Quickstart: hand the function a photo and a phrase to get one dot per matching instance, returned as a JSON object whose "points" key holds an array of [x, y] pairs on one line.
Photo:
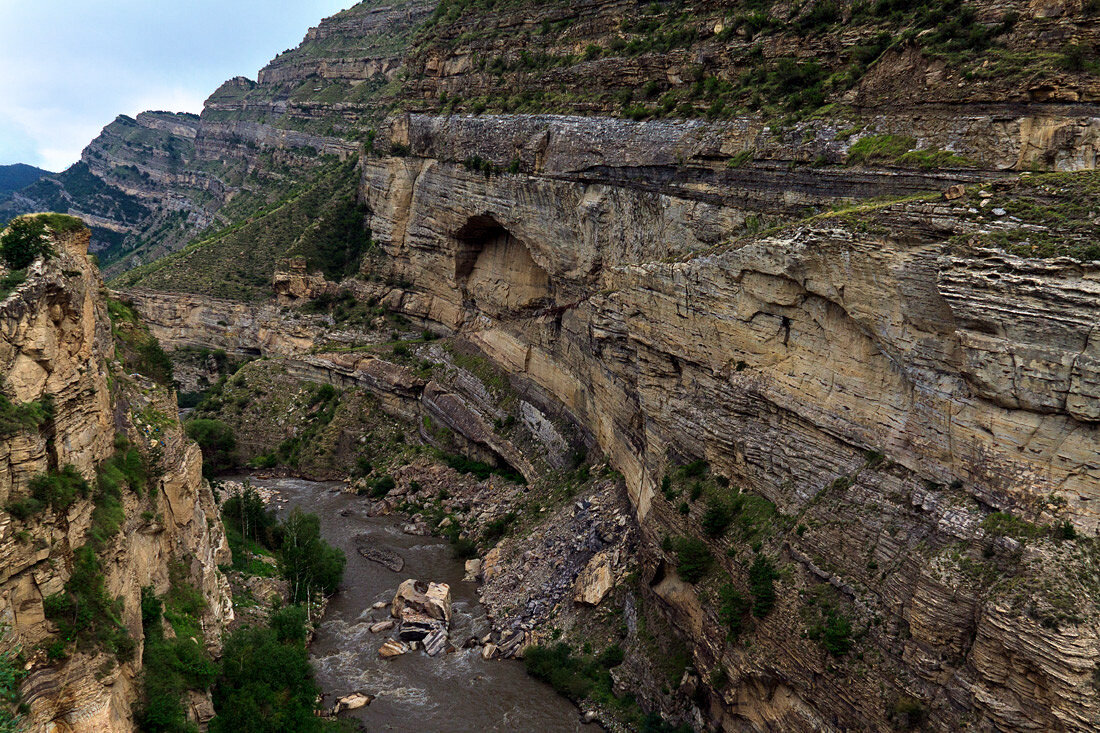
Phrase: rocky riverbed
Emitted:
{"points": [[456, 689]]}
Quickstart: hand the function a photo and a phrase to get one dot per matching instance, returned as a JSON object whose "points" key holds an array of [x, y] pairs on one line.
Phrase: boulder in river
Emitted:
{"points": [[381, 626], [435, 642], [430, 599], [473, 569], [418, 527], [392, 649], [354, 701]]}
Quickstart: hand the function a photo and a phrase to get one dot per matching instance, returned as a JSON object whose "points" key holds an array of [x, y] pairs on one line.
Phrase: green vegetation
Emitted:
{"points": [[718, 517], [830, 627], [1001, 524], [733, 608], [693, 559], [577, 677], [879, 148], [834, 633], [321, 402], [171, 667], [309, 563], [16, 418], [762, 577], [25, 240], [266, 682], [318, 219], [135, 346], [12, 675], [217, 442], [899, 150], [85, 614], [251, 530], [482, 470], [54, 489], [1046, 215], [10, 281]]}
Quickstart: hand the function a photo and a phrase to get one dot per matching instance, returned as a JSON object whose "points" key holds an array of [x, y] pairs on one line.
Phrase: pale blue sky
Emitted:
{"points": [[69, 67]]}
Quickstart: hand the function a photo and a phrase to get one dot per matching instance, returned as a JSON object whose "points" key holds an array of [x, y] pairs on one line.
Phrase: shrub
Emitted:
{"points": [[25, 240], [1000, 524], [289, 624], [717, 518], [732, 609], [382, 486], [835, 635], [85, 613], [170, 668], [59, 489], [693, 559], [12, 675], [463, 548], [265, 685], [499, 527], [880, 148], [573, 675], [15, 418], [762, 577]]}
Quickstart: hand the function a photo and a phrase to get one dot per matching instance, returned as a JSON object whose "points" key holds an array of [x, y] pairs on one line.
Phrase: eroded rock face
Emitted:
{"points": [[55, 339], [784, 361]]}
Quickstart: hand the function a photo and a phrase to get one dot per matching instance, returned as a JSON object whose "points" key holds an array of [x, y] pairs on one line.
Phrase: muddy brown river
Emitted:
{"points": [[415, 692]]}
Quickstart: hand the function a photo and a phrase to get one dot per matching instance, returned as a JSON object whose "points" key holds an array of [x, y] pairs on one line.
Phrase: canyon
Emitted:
{"points": [[861, 328]]}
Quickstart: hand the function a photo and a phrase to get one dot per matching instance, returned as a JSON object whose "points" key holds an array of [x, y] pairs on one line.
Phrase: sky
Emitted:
{"points": [[70, 67]]}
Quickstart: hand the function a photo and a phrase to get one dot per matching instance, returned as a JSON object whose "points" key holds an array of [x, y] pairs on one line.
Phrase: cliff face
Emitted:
{"points": [[785, 361], [866, 321], [56, 341]]}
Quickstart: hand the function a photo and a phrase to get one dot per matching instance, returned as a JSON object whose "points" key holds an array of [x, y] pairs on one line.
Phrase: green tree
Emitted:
{"points": [[25, 240], [762, 576], [308, 562], [217, 442], [265, 686], [693, 559]]}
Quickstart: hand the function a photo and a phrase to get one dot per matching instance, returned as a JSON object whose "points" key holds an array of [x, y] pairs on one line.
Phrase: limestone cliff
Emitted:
{"points": [[56, 342]]}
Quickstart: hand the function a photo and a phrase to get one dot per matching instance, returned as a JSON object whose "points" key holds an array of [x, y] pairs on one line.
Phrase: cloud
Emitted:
{"points": [[53, 136], [71, 67]]}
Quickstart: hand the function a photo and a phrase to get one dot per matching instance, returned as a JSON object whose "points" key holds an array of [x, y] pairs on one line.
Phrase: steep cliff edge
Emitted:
{"points": [[70, 533]]}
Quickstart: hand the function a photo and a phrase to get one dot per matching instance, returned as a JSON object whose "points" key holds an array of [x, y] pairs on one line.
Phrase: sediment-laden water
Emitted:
{"points": [[451, 692]]}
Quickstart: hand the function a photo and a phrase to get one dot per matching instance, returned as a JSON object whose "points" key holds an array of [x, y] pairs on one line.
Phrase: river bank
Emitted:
{"points": [[456, 691]]}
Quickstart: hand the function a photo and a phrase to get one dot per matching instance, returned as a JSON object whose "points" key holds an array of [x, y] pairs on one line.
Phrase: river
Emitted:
{"points": [[415, 692]]}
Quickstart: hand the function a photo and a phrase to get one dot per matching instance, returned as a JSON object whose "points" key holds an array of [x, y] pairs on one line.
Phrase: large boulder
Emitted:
{"points": [[422, 597], [595, 581]]}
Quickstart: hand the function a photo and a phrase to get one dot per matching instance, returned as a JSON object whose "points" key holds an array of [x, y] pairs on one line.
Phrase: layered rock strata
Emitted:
{"points": [[56, 341]]}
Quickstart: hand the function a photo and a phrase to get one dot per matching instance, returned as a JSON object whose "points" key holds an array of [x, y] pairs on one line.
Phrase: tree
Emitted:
{"points": [[25, 240], [217, 442], [265, 686], [308, 562]]}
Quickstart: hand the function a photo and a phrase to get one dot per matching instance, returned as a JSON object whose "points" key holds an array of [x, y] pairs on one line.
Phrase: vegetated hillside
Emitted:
{"points": [[723, 59], [17, 176], [755, 64]]}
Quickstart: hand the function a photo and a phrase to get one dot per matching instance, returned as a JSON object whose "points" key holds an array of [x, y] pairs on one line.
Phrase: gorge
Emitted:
{"points": [[745, 349]]}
